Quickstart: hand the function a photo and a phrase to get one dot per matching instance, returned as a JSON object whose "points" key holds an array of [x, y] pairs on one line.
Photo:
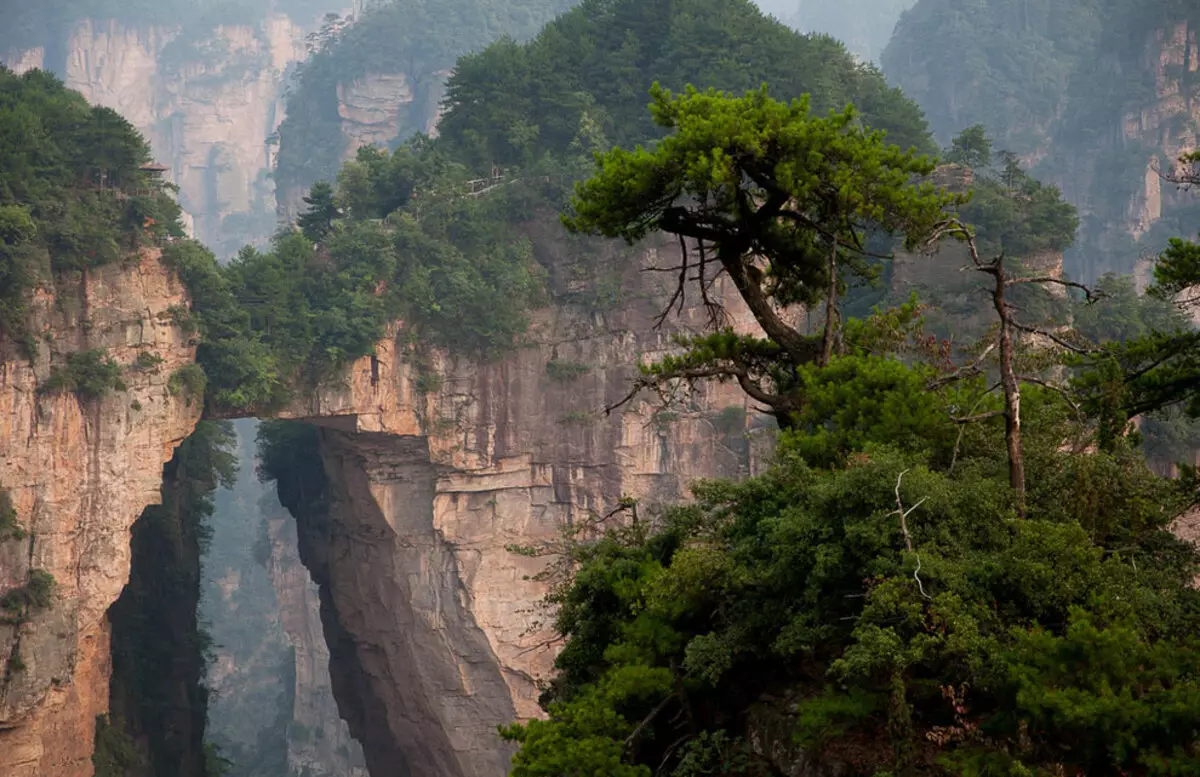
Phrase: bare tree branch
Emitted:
{"points": [[1092, 295], [967, 371], [900, 511], [980, 417], [740, 373], [1046, 384], [1033, 330]]}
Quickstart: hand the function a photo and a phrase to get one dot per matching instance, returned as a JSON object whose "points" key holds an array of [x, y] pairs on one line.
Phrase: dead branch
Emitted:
{"points": [[629, 740], [905, 513], [900, 511], [1092, 295], [1033, 330], [1048, 385], [737, 372], [981, 417], [967, 371]]}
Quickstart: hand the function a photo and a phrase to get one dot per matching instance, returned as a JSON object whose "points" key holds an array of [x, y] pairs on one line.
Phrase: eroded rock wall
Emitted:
{"points": [[79, 473], [435, 466], [207, 102]]}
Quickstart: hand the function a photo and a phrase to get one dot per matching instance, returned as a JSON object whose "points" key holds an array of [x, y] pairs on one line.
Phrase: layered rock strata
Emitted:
{"points": [[432, 620], [79, 472], [207, 102]]}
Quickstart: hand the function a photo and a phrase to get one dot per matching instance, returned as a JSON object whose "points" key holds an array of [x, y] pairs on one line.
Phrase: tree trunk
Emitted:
{"points": [[830, 308], [1012, 391], [800, 350]]}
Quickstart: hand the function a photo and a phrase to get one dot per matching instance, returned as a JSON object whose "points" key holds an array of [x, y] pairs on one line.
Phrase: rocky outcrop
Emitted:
{"points": [[79, 472], [207, 102], [435, 467], [1169, 124], [325, 745], [272, 709], [377, 108]]}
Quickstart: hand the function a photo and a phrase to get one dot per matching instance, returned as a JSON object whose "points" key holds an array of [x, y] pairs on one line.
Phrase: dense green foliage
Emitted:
{"points": [[37, 593], [584, 78], [991, 645], [1013, 212], [88, 374], [160, 652], [72, 194], [781, 199], [448, 267], [420, 39], [10, 527], [405, 235], [888, 598]]}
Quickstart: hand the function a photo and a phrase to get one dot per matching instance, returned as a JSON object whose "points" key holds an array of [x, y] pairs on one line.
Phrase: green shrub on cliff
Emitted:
{"points": [[10, 528], [72, 192], [956, 640], [88, 374]]}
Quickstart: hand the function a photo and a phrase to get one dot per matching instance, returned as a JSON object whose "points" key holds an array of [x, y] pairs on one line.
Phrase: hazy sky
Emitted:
{"points": [[864, 25]]}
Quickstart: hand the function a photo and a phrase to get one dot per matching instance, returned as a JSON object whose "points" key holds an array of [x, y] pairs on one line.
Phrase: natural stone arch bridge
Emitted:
{"points": [[432, 623]]}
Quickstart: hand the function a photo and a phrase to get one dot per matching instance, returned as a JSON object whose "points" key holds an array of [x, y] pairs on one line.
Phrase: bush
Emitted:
{"points": [[188, 381], [147, 360], [564, 371], [115, 753], [89, 374], [36, 594], [9, 528]]}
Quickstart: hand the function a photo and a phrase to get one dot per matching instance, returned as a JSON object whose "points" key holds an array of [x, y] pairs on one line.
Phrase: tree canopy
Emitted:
{"points": [[772, 196], [585, 76], [72, 191]]}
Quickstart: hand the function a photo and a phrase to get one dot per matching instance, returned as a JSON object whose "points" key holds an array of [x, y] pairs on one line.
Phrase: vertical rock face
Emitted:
{"points": [[375, 109], [79, 473], [433, 623], [326, 746], [206, 102], [1168, 124], [272, 711]]}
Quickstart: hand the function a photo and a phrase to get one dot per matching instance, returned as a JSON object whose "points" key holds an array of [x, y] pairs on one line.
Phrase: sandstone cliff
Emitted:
{"points": [[434, 465], [433, 468], [79, 474], [1169, 124], [207, 102]]}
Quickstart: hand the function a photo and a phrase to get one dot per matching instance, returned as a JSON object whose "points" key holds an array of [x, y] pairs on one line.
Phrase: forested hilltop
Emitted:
{"points": [[537, 111], [74, 193], [419, 40], [513, 102], [1083, 90]]}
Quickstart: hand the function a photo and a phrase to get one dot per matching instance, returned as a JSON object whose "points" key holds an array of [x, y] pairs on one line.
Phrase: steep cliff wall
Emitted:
{"points": [[207, 102], [272, 711], [433, 467], [1165, 127], [79, 473]]}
